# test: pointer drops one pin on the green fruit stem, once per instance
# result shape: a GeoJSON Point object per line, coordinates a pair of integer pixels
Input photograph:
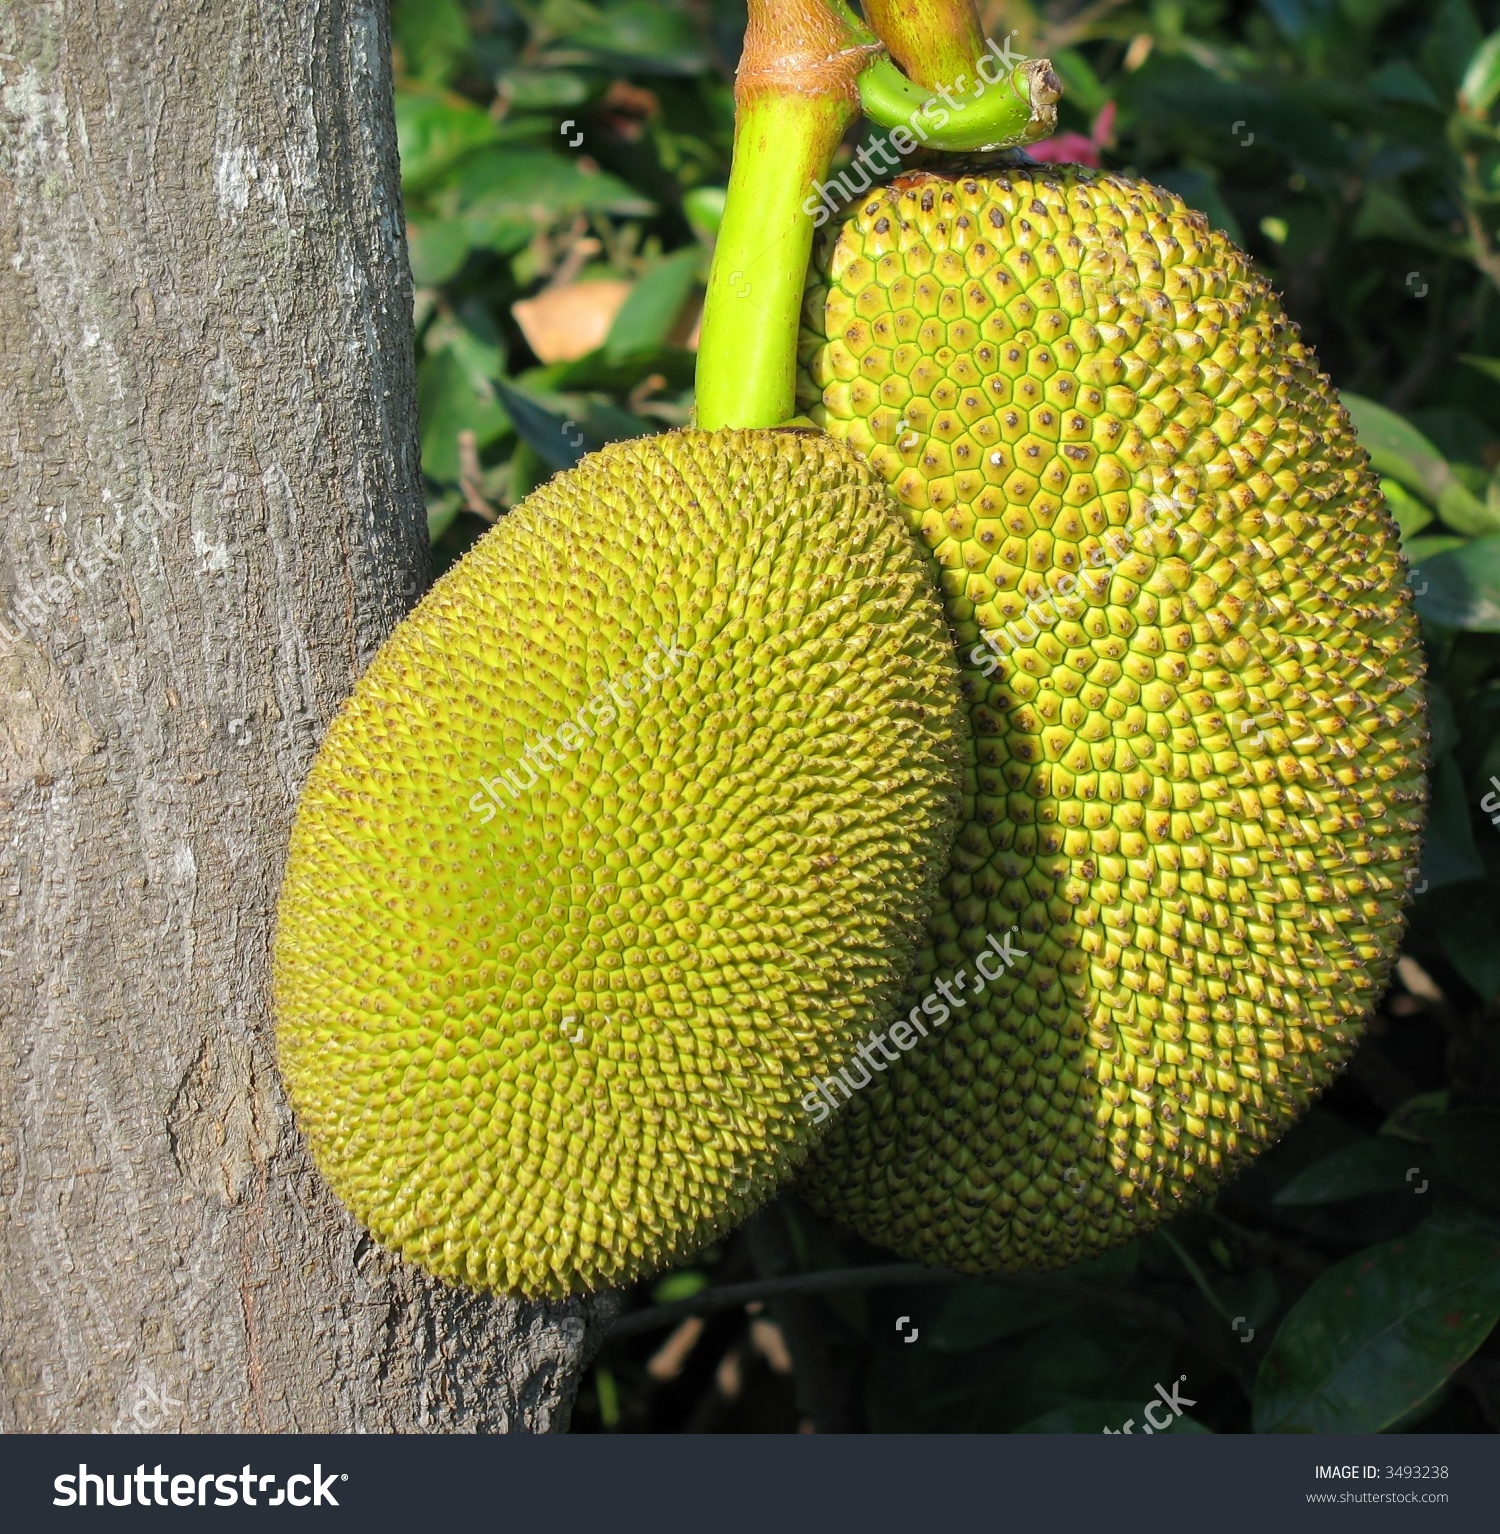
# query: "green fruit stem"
{"type": "Point", "coordinates": [957, 93]}
{"type": "Point", "coordinates": [1016, 108]}
{"type": "Point", "coordinates": [795, 97]}
{"type": "Point", "coordinates": [806, 69]}
{"type": "Point", "coordinates": [932, 41]}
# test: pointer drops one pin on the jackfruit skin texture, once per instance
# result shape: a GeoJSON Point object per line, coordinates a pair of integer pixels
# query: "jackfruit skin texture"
{"type": "Point", "coordinates": [1196, 785]}
{"type": "Point", "coordinates": [559, 1046]}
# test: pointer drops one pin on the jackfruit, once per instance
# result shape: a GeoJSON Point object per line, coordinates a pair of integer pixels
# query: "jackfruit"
{"type": "Point", "coordinates": [1195, 791]}
{"type": "Point", "coordinates": [631, 827]}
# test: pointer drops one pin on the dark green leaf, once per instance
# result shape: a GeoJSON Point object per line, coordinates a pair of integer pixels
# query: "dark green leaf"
{"type": "Point", "coordinates": [1400, 82]}
{"type": "Point", "coordinates": [1423, 547]}
{"type": "Point", "coordinates": [1295, 16]}
{"type": "Point", "coordinates": [1468, 919]}
{"type": "Point", "coordinates": [435, 128]}
{"type": "Point", "coordinates": [1448, 855]}
{"type": "Point", "coordinates": [1468, 1147]}
{"type": "Point", "coordinates": [1405, 1122]}
{"type": "Point", "coordinates": [1398, 449]}
{"type": "Point", "coordinates": [647, 316]}
{"type": "Point", "coordinates": [1481, 82]}
{"type": "Point", "coordinates": [1377, 1334]}
{"type": "Point", "coordinates": [504, 187]}
{"type": "Point", "coordinates": [1080, 84]}
{"type": "Point", "coordinates": [597, 372]}
{"type": "Point", "coordinates": [1385, 215]}
{"type": "Point", "coordinates": [977, 1314]}
{"type": "Point", "coordinates": [1410, 514]}
{"type": "Point", "coordinates": [653, 36]}
{"type": "Point", "coordinates": [543, 89]}
{"type": "Point", "coordinates": [1489, 366]}
{"type": "Point", "coordinates": [1463, 586]}
{"type": "Point", "coordinates": [1442, 727]}
{"type": "Point", "coordinates": [1452, 41]}
{"type": "Point", "coordinates": [704, 209]}
{"type": "Point", "coordinates": [1374, 1166]}
{"type": "Point", "coordinates": [438, 246]}
{"type": "Point", "coordinates": [450, 400]}
{"type": "Point", "coordinates": [682, 1285]}
{"type": "Point", "coordinates": [558, 440]}
{"type": "Point", "coordinates": [433, 36]}
{"type": "Point", "coordinates": [1205, 106]}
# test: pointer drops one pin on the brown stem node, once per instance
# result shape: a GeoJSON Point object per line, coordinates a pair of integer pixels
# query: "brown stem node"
{"type": "Point", "coordinates": [798, 46]}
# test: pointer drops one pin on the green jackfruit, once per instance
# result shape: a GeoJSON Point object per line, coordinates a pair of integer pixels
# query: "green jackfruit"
{"type": "Point", "coordinates": [632, 827]}
{"type": "Point", "coordinates": [1195, 789]}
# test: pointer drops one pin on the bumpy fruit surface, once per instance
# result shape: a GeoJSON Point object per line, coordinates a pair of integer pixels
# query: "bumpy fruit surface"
{"type": "Point", "coordinates": [1196, 788]}
{"type": "Point", "coordinates": [550, 1030]}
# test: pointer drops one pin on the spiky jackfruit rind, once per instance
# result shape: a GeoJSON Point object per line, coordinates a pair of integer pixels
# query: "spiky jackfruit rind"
{"type": "Point", "coordinates": [1196, 785]}
{"type": "Point", "coordinates": [553, 1042]}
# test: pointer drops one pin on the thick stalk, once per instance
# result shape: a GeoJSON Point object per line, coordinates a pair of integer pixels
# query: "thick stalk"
{"type": "Point", "coordinates": [794, 97]}
{"type": "Point", "coordinates": [747, 352]}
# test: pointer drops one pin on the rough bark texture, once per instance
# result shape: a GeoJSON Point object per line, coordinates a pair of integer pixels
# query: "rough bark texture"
{"type": "Point", "coordinates": [212, 516]}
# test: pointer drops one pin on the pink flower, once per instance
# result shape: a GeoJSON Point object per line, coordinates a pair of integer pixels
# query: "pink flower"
{"type": "Point", "coordinates": [1074, 148]}
{"type": "Point", "coordinates": [1065, 149]}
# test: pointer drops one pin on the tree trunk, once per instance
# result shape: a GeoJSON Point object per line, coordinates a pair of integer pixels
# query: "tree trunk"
{"type": "Point", "coordinates": [213, 515]}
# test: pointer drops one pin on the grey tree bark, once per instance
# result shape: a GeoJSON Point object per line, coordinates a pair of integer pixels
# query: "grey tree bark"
{"type": "Point", "coordinates": [212, 517]}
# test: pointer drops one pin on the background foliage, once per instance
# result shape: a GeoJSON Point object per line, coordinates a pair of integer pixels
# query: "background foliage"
{"type": "Point", "coordinates": [570, 157]}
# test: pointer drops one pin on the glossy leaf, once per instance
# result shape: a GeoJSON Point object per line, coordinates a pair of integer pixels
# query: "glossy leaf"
{"type": "Point", "coordinates": [653, 306]}
{"type": "Point", "coordinates": [1481, 82]}
{"type": "Point", "coordinates": [1489, 366]}
{"type": "Point", "coordinates": [681, 1285]}
{"type": "Point", "coordinates": [442, 514]}
{"type": "Point", "coordinates": [1453, 40]}
{"type": "Point", "coordinates": [1410, 514]}
{"type": "Point", "coordinates": [1398, 449]}
{"type": "Point", "coordinates": [1468, 1146]}
{"type": "Point", "coordinates": [975, 1315]}
{"type": "Point", "coordinates": [434, 129]}
{"type": "Point", "coordinates": [652, 35]}
{"type": "Point", "coordinates": [1373, 1166]}
{"type": "Point", "coordinates": [1448, 853]}
{"type": "Point", "coordinates": [438, 246]}
{"type": "Point", "coordinates": [1378, 1334]}
{"type": "Point", "coordinates": [543, 89]}
{"type": "Point", "coordinates": [433, 35]}
{"type": "Point", "coordinates": [1427, 546]}
{"type": "Point", "coordinates": [1462, 586]}
{"type": "Point", "coordinates": [1398, 81]}
{"type": "Point", "coordinates": [704, 209]}
{"type": "Point", "coordinates": [1468, 918]}
{"type": "Point", "coordinates": [506, 184]}
{"type": "Point", "coordinates": [451, 400]}
{"type": "Point", "coordinates": [558, 440]}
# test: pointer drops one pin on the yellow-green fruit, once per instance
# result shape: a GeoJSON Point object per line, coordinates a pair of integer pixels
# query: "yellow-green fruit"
{"type": "Point", "coordinates": [549, 1031]}
{"type": "Point", "coordinates": [1196, 789]}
